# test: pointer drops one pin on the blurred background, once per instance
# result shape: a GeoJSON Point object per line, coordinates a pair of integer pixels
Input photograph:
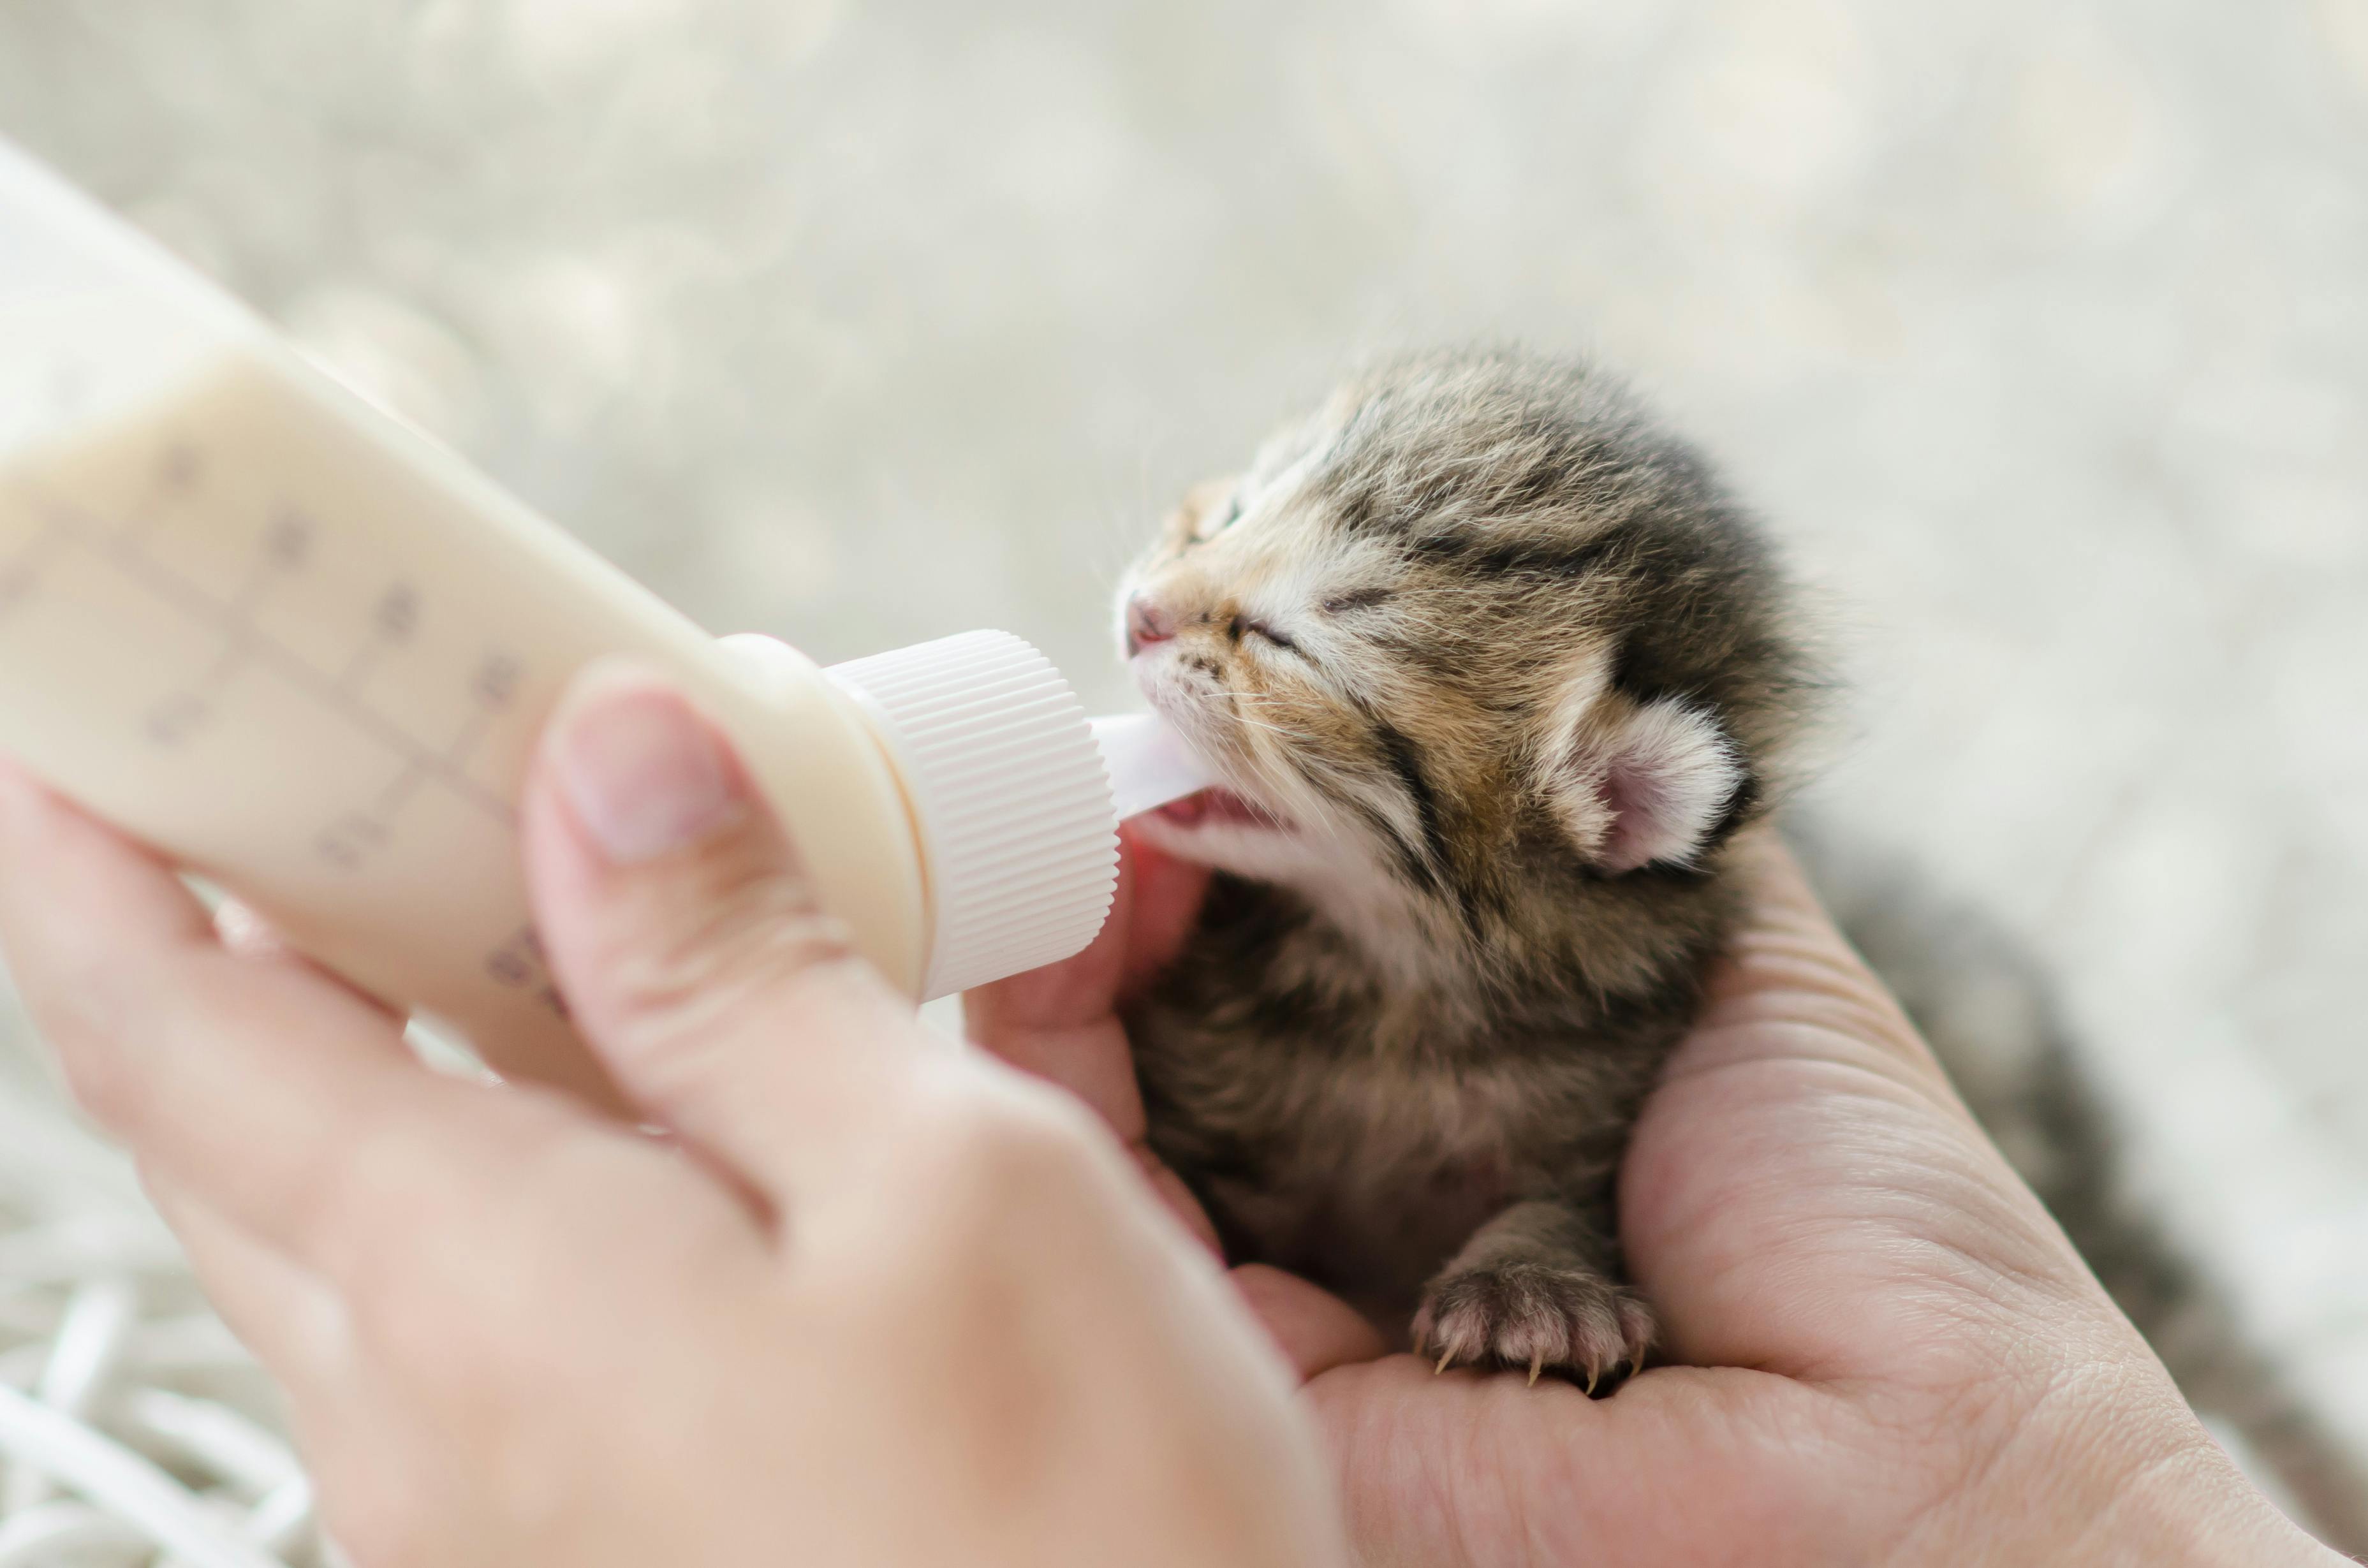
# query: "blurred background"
{"type": "Point", "coordinates": [2039, 328]}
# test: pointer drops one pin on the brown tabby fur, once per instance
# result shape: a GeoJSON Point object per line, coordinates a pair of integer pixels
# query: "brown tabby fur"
{"type": "Point", "coordinates": [1404, 1048]}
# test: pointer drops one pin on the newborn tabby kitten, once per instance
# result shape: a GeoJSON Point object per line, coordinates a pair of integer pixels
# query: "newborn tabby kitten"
{"type": "Point", "coordinates": [1493, 670]}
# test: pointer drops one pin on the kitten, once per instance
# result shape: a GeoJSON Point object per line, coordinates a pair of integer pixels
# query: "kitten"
{"type": "Point", "coordinates": [1492, 669]}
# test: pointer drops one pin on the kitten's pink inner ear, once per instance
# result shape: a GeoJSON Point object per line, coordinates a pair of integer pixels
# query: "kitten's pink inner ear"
{"type": "Point", "coordinates": [1669, 778]}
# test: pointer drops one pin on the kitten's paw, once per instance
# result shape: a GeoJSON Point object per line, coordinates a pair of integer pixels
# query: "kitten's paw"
{"type": "Point", "coordinates": [1534, 1315]}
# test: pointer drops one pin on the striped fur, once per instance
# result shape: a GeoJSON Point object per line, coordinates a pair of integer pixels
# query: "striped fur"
{"type": "Point", "coordinates": [1495, 669]}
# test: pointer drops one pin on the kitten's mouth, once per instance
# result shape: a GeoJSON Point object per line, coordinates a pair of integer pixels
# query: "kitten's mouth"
{"type": "Point", "coordinates": [1219, 805]}
{"type": "Point", "coordinates": [1215, 806]}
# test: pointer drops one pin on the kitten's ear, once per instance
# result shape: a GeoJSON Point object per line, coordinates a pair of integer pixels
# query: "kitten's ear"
{"type": "Point", "coordinates": [1640, 784]}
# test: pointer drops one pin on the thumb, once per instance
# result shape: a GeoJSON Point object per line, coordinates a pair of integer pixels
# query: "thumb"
{"type": "Point", "coordinates": [686, 935]}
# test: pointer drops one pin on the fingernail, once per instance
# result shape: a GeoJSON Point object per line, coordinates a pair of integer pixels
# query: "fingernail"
{"type": "Point", "coordinates": [642, 771]}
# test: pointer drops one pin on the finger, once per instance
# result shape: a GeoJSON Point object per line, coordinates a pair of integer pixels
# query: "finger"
{"type": "Point", "coordinates": [267, 1092]}
{"type": "Point", "coordinates": [1168, 893]}
{"type": "Point", "coordinates": [1315, 1330]}
{"type": "Point", "coordinates": [1158, 898]}
{"type": "Point", "coordinates": [1178, 1198]}
{"type": "Point", "coordinates": [104, 941]}
{"type": "Point", "coordinates": [245, 933]}
{"type": "Point", "coordinates": [133, 889]}
{"type": "Point", "coordinates": [1080, 989]}
{"type": "Point", "coordinates": [687, 938]}
{"type": "Point", "coordinates": [293, 1319]}
{"type": "Point", "coordinates": [1061, 1022]}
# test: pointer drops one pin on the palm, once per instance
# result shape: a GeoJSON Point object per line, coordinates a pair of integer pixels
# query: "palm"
{"type": "Point", "coordinates": [1804, 1200]}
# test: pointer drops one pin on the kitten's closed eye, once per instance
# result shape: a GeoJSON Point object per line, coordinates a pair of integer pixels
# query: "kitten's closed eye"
{"type": "Point", "coordinates": [1266, 632]}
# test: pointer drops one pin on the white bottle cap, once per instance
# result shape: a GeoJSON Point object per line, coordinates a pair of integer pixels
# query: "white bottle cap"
{"type": "Point", "coordinates": [1008, 794]}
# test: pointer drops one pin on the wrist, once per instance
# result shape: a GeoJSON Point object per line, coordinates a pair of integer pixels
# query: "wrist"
{"type": "Point", "coordinates": [2195, 1508]}
{"type": "Point", "coordinates": [2112, 1467]}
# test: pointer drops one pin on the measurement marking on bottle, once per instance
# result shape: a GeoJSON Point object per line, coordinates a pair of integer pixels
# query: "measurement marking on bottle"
{"type": "Point", "coordinates": [405, 785]}
{"type": "Point", "coordinates": [179, 469]}
{"type": "Point", "coordinates": [174, 716]}
{"type": "Point", "coordinates": [393, 620]}
{"type": "Point", "coordinates": [518, 965]}
{"type": "Point", "coordinates": [495, 688]}
{"type": "Point", "coordinates": [285, 548]}
{"type": "Point", "coordinates": [348, 842]}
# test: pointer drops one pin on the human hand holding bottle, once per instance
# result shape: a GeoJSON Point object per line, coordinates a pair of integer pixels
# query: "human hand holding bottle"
{"type": "Point", "coordinates": [878, 1299]}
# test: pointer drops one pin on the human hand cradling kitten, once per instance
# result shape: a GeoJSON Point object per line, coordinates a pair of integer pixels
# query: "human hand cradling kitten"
{"type": "Point", "coordinates": [1878, 1348]}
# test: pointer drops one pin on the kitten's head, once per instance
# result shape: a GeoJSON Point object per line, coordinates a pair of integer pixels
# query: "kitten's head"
{"type": "Point", "coordinates": [1475, 636]}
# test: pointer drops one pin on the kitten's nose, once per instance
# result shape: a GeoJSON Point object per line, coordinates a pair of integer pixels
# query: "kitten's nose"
{"type": "Point", "coordinates": [1145, 623]}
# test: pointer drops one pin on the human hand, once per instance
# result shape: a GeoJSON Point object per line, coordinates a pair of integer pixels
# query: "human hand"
{"type": "Point", "coordinates": [1878, 1346]}
{"type": "Point", "coordinates": [878, 1299]}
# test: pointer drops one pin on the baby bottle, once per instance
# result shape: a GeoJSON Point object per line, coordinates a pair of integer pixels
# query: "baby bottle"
{"type": "Point", "coordinates": [303, 651]}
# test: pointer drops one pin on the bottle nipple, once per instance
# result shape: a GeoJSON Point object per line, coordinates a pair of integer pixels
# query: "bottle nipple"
{"type": "Point", "coordinates": [1149, 764]}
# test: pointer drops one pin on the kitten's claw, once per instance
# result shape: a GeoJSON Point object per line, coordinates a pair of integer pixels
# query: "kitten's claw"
{"type": "Point", "coordinates": [1536, 1316]}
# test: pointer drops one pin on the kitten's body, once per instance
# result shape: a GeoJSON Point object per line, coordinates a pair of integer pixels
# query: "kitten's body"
{"type": "Point", "coordinates": [1494, 671]}
{"type": "Point", "coordinates": [1361, 1129]}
